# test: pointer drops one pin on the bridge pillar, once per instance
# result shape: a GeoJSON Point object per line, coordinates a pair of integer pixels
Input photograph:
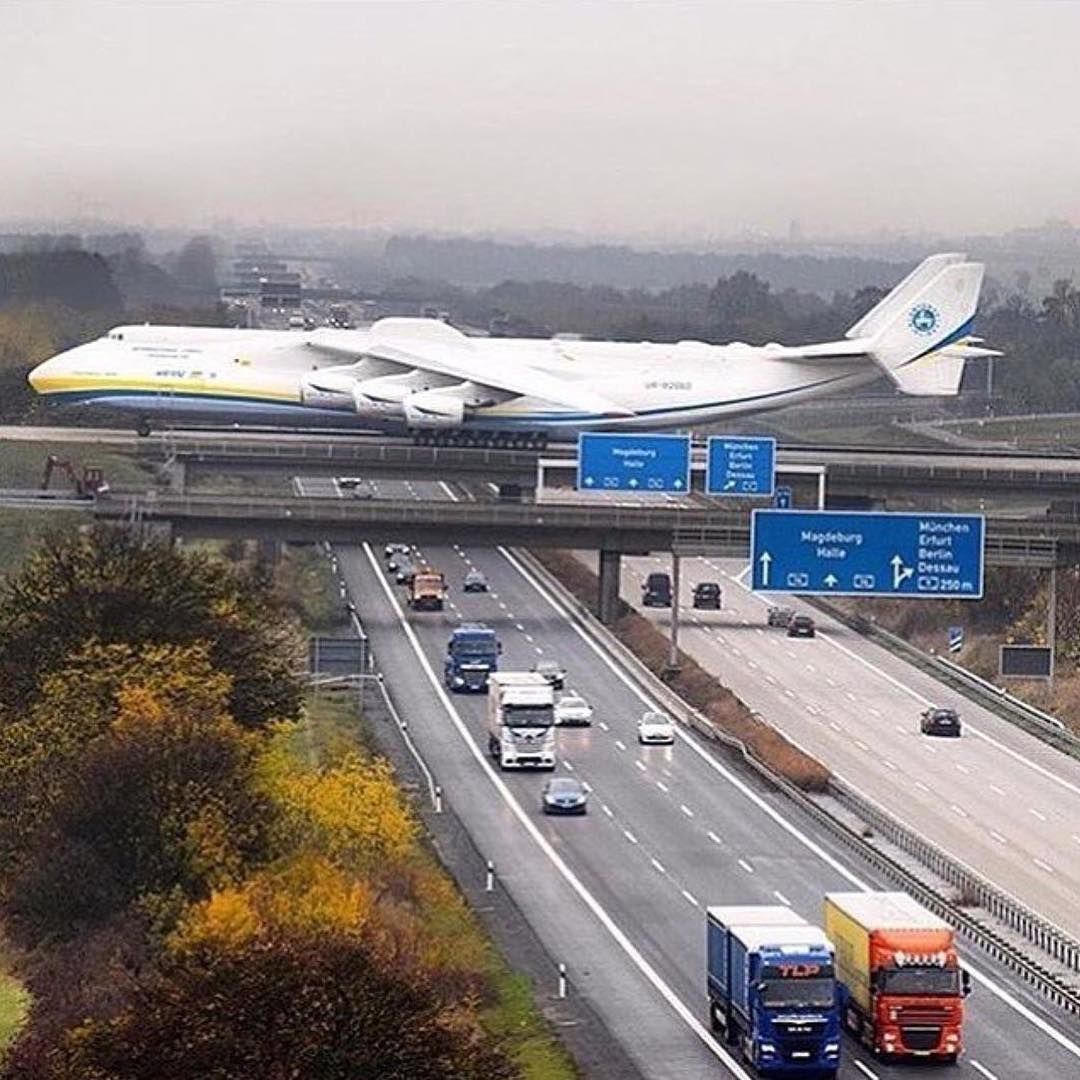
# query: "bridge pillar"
{"type": "Point", "coordinates": [608, 600]}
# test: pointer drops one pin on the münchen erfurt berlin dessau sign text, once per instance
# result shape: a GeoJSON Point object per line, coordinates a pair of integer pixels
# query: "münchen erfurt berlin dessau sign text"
{"type": "Point", "coordinates": [868, 554]}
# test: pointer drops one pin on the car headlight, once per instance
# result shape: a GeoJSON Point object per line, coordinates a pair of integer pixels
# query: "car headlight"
{"type": "Point", "coordinates": [768, 1048]}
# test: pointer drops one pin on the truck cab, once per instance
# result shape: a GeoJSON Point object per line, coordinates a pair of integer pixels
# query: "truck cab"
{"type": "Point", "coordinates": [902, 987]}
{"type": "Point", "coordinates": [472, 654]}
{"type": "Point", "coordinates": [427, 589]}
{"type": "Point", "coordinates": [772, 990]}
{"type": "Point", "coordinates": [521, 720]}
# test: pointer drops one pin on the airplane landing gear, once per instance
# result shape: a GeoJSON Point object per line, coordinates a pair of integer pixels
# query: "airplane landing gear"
{"type": "Point", "coordinates": [142, 428]}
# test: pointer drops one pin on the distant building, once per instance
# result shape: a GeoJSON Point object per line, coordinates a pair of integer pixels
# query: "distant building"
{"type": "Point", "coordinates": [256, 276]}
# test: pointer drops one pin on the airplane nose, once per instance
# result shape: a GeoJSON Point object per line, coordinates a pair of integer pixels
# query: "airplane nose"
{"type": "Point", "coordinates": [38, 376]}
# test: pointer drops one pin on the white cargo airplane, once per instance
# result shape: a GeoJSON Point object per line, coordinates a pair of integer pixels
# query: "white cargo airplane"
{"type": "Point", "coordinates": [426, 378]}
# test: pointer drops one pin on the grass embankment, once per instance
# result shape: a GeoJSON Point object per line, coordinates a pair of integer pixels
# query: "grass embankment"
{"type": "Point", "coordinates": [693, 683]}
{"type": "Point", "coordinates": [20, 531]}
{"type": "Point", "coordinates": [22, 464]}
{"type": "Point", "coordinates": [332, 727]}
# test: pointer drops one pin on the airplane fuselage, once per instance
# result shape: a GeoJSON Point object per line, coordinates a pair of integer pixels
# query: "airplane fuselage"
{"type": "Point", "coordinates": [164, 374]}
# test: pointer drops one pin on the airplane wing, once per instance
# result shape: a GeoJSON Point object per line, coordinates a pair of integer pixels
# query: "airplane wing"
{"type": "Point", "coordinates": [433, 346]}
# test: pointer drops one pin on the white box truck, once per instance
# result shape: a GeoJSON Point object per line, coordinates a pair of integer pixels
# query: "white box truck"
{"type": "Point", "coordinates": [521, 720]}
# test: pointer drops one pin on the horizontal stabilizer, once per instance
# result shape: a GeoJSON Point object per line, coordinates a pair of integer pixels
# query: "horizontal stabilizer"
{"type": "Point", "coordinates": [938, 374]}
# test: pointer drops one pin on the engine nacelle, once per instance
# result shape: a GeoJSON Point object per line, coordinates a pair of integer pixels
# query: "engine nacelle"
{"type": "Point", "coordinates": [327, 390]}
{"type": "Point", "coordinates": [434, 409]}
{"type": "Point", "coordinates": [396, 388]}
{"type": "Point", "coordinates": [373, 407]}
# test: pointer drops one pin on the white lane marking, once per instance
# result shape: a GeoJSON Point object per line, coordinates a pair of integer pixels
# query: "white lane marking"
{"type": "Point", "coordinates": [449, 494]}
{"type": "Point", "coordinates": [606, 921]}
{"type": "Point", "coordinates": [865, 1070]}
{"type": "Point", "coordinates": [607, 809]}
{"type": "Point", "coordinates": [662, 786]}
{"type": "Point", "coordinates": [771, 812]}
{"type": "Point", "coordinates": [640, 764]}
{"type": "Point", "coordinates": [873, 711]}
{"type": "Point", "coordinates": [996, 790]}
{"type": "Point", "coordinates": [959, 811]}
{"type": "Point", "coordinates": [519, 626]}
{"type": "Point", "coordinates": [921, 786]}
{"type": "Point", "coordinates": [567, 765]}
{"type": "Point", "coordinates": [714, 838]}
{"type": "Point", "coordinates": [658, 865]}
{"type": "Point", "coordinates": [746, 866]}
{"type": "Point", "coordinates": [1043, 865]}
{"type": "Point", "coordinates": [1076, 839]}
{"type": "Point", "coordinates": [603, 726]}
{"type": "Point", "coordinates": [997, 744]}
{"type": "Point", "coordinates": [963, 768]}
{"type": "Point", "coordinates": [1036, 813]}
{"type": "Point", "coordinates": [620, 744]}
{"type": "Point", "coordinates": [998, 837]}
{"type": "Point", "coordinates": [629, 836]}
{"type": "Point", "coordinates": [690, 897]}
{"type": "Point", "coordinates": [789, 693]}
{"type": "Point", "coordinates": [888, 764]}
{"type": "Point", "coordinates": [980, 1068]}
{"type": "Point", "coordinates": [686, 810]}
{"type": "Point", "coordinates": [781, 897]}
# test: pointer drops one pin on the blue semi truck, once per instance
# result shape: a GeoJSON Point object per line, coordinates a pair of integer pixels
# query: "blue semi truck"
{"type": "Point", "coordinates": [772, 990]}
{"type": "Point", "coordinates": [472, 654]}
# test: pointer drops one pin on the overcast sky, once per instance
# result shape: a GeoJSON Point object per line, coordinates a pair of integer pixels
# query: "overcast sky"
{"type": "Point", "coordinates": [607, 119]}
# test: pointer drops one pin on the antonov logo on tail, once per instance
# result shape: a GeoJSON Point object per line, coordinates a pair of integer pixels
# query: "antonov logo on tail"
{"type": "Point", "coordinates": [924, 319]}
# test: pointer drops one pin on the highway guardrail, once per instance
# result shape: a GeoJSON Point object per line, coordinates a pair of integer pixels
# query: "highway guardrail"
{"type": "Point", "coordinates": [1047, 982]}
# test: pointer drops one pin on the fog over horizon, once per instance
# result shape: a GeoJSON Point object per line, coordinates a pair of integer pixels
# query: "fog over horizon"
{"type": "Point", "coordinates": [659, 122]}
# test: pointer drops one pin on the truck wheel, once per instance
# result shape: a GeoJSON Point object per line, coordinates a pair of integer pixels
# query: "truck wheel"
{"type": "Point", "coordinates": [715, 1022]}
{"type": "Point", "coordinates": [950, 1059]}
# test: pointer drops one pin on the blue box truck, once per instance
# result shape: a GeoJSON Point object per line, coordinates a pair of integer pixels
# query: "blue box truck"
{"type": "Point", "coordinates": [472, 654]}
{"type": "Point", "coordinates": [772, 990]}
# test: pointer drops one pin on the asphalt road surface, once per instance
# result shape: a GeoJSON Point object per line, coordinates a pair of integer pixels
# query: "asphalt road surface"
{"type": "Point", "coordinates": [620, 894]}
{"type": "Point", "coordinates": [997, 799]}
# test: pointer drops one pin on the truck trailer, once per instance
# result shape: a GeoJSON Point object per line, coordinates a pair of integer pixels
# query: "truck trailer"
{"type": "Point", "coordinates": [772, 989]}
{"type": "Point", "coordinates": [901, 985]}
{"type": "Point", "coordinates": [472, 654]}
{"type": "Point", "coordinates": [521, 720]}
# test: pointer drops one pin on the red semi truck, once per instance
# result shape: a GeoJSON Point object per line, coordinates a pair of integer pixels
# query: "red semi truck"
{"type": "Point", "coordinates": [902, 987]}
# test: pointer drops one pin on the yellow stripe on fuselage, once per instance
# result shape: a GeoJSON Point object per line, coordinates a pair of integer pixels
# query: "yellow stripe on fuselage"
{"type": "Point", "coordinates": [67, 384]}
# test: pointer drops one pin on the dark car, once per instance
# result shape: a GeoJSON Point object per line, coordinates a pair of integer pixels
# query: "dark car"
{"type": "Point", "coordinates": [564, 795]}
{"type": "Point", "coordinates": [656, 592]}
{"type": "Point", "coordinates": [779, 616]}
{"type": "Point", "coordinates": [707, 595]}
{"type": "Point", "coordinates": [801, 626]}
{"type": "Point", "coordinates": [940, 721]}
{"type": "Point", "coordinates": [474, 582]}
{"type": "Point", "coordinates": [405, 572]}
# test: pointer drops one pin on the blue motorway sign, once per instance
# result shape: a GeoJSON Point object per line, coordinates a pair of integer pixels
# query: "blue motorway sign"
{"type": "Point", "coordinates": [740, 466]}
{"type": "Point", "coordinates": [823, 552]}
{"type": "Point", "coordinates": [633, 463]}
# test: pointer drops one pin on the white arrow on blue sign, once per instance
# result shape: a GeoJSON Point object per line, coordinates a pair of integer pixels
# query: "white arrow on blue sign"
{"type": "Point", "coordinates": [737, 465]}
{"type": "Point", "coordinates": [867, 554]}
{"type": "Point", "coordinates": [639, 463]}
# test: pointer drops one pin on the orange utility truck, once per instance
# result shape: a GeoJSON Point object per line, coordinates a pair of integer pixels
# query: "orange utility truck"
{"type": "Point", "coordinates": [427, 590]}
{"type": "Point", "coordinates": [902, 987]}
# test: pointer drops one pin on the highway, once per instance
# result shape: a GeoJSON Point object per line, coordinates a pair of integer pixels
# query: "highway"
{"type": "Point", "coordinates": [620, 894]}
{"type": "Point", "coordinates": [997, 799]}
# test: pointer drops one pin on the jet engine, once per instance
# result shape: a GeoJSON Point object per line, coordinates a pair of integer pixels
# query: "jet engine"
{"type": "Point", "coordinates": [435, 408]}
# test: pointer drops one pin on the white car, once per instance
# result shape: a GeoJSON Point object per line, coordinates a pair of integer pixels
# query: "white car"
{"type": "Point", "coordinates": [656, 728]}
{"type": "Point", "coordinates": [572, 710]}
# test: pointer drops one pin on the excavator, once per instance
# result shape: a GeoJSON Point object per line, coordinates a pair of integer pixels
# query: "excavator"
{"type": "Point", "coordinates": [91, 482]}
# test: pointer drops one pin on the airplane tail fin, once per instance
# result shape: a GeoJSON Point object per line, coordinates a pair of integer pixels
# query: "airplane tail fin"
{"type": "Point", "coordinates": [902, 295]}
{"type": "Point", "coordinates": [929, 318]}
